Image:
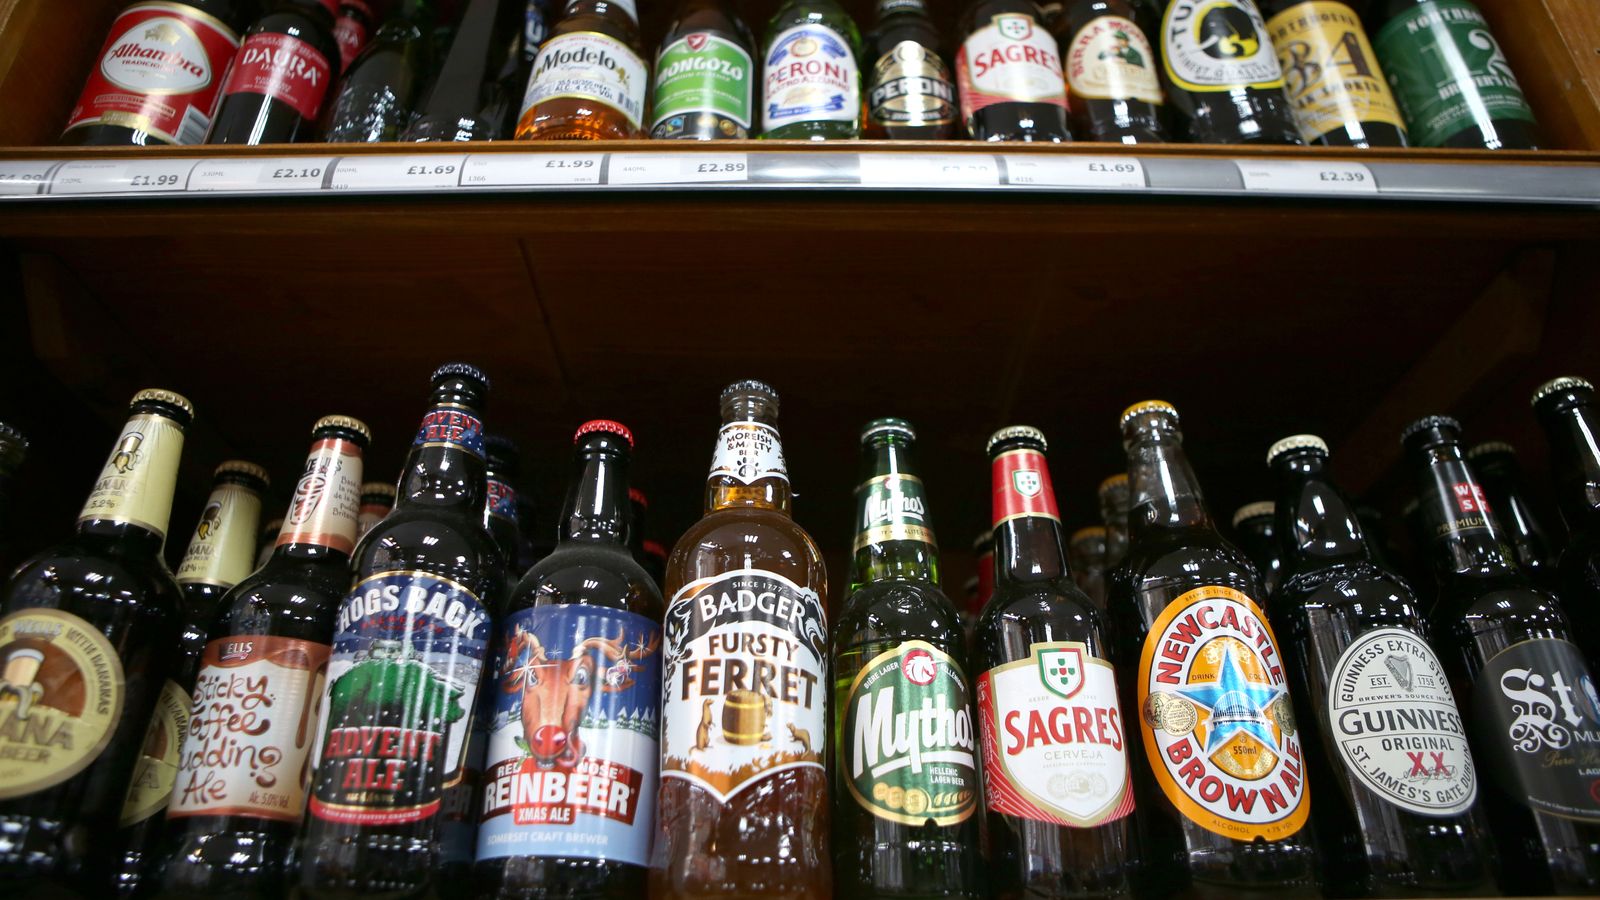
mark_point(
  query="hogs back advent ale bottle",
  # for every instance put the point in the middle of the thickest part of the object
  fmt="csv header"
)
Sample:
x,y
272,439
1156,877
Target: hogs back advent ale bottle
x,y
1495,464
909,93
1222,74
1223,777
810,72
1331,74
743,809
1566,408
1112,72
1008,71
589,81
409,648
1055,743
705,75
282,76
88,637
1396,809
569,792
905,763
1527,694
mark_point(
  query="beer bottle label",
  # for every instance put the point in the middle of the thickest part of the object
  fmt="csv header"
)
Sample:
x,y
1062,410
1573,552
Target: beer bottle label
x,y
574,742
327,498
160,73
458,832
1111,59
588,65
906,738
223,549
748,452
811,76
1448,71
1393,721
350,31
369,515
502,500
744,695
137,482
1537,724
1021,487
891,508
256,706
1054,744
61,694
283,68
704,73
408,652
1330,70
451,425
1218,45
1216,719
157,767
911,86
1010,60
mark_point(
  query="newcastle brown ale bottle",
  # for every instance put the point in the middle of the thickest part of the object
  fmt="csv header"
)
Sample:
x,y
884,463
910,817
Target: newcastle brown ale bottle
x,y
1566,408
1495,464
88,636
1055,742
1112,71
1008,72
281,77
1331,74
1222,74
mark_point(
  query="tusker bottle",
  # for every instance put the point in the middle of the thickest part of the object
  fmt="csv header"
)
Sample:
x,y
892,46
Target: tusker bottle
x,y
1567,410
1222,74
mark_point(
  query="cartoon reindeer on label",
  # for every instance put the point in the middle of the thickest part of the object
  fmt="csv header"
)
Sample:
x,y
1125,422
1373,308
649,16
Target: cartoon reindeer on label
x,y
555,692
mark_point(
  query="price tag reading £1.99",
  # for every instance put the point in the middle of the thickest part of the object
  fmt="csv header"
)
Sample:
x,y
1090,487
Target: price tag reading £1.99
x,y
531,169
1306,177
398,173
677,168
145,176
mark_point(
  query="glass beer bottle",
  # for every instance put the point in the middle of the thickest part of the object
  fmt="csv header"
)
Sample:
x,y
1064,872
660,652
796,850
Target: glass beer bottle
x,y
1222,74
1495,464
811,73
589,82
1331,75
705,75
910,96
1112,72
1567,410
1008,72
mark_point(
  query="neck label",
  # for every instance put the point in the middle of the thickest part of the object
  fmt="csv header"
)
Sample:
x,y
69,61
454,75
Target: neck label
x,y
748,452
891,508
327,498
502,500
137,482
223,549
1021,487
451,425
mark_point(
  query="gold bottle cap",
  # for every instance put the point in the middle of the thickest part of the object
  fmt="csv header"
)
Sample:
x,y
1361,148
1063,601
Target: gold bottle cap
x,y
1148,406
1565,383
171,398
1296,442
1488,448
1254,511
1091,533
382,488
1118,481
241,467
1013,432
348,423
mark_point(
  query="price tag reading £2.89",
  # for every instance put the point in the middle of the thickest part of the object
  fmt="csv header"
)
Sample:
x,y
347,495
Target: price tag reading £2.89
x,y
1306,176
677,168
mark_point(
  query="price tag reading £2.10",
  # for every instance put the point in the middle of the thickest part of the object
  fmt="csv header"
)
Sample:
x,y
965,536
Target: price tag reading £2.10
x,y
1306,177
287,173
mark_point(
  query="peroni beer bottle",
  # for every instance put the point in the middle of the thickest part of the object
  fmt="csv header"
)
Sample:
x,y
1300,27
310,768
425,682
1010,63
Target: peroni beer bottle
x,y
910,96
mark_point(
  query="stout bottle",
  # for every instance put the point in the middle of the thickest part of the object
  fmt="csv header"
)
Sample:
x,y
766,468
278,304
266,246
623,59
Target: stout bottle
x,y
577,692
1223,778
1008,71
1510,656
1113,496
743,810
377,499
88,637
409,647
1495,464
909,93
1086,551
1331,75
282,76
810,72
1396,809
904,803
589,81
1566,408
1255,534
1111,70
1222,74
242,773
1045,686
378,95
705,75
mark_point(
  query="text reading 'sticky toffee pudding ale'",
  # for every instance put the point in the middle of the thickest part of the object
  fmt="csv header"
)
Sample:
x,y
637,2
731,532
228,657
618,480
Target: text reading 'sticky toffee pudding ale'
x,y
1055,742
905,818
743,810
1223,778
1008,72
1331,75
410,644
1222,74
88,637
282,76
1567,409
240,791
705,75
1113,72
589,81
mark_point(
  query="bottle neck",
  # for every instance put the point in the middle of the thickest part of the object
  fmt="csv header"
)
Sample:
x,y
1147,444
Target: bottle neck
x,y
1028,543
223,549
894,537
1164,493
132,498
1315,525
597,509
1114,515
887,9
445,470
1574,435
747,468
1457,519
324,516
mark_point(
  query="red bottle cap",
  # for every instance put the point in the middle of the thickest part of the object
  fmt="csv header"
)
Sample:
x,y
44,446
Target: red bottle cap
x,y
604,425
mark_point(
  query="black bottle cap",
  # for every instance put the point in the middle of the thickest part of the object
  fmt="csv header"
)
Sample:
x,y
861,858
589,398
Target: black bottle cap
x,y
1491,448
1430,430
464,371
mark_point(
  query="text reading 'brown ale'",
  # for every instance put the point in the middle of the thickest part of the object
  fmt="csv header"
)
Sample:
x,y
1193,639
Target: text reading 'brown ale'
x,y
743,810
1571,418
1223,778
1055,742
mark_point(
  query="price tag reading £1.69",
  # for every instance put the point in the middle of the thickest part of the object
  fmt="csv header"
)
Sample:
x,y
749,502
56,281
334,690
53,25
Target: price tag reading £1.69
x,y
1306,177
398,173
1090,172
677,168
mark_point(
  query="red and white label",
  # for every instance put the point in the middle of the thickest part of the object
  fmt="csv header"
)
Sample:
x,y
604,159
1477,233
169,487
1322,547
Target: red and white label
x,y
351,31
284,68
327,498
1021,483
160,72
1013,59
1469,498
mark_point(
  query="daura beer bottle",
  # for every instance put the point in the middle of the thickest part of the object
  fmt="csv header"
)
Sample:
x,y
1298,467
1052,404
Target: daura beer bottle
x,y
282,76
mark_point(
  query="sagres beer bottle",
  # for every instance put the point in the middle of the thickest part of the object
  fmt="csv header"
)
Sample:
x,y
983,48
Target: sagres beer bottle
x,y
743,810
88,637
1495,464
1566,408
1112,72
1396,807
240,790
569,792
1055,743
1527,694
409,648
1223,781
1222,74
1331,75
905,764
1008,72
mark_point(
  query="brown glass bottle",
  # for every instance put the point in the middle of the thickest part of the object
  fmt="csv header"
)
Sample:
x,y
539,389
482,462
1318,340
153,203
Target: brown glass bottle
x,y
1567,409
1495,464
1087,552
910,96
1113,497
727,826
1255,534
1113,72
377,499
1008,72
596,41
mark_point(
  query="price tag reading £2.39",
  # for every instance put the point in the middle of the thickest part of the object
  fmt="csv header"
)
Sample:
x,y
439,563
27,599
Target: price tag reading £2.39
x,y
677,168
1306,176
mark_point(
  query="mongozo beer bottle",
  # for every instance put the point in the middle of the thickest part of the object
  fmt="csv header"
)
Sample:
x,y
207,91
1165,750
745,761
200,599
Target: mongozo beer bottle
x,y
904,798
1331,75
909,93
1255,534
1055,742
1527,694
502,464
377,499
1008,71
409,647
1495,464
743,809
282,75
705,75
569,791
1112,72
1086,551
1113,495
1396,810
813,82
1222,74
242,770
589,82
88,637
1451,77
1223,778
1566,408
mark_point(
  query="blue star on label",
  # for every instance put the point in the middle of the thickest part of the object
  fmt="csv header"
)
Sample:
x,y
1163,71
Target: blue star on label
x,y
1236,704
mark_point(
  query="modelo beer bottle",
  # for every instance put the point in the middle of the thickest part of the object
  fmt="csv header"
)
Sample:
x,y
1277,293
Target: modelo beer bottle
x,y
1397,807
811,74
1223,771
705,80
1566,408
1495,464
1112,72
1222,74
1331,74
1055,739
743,810
588,82
1008,71
282,76
909,93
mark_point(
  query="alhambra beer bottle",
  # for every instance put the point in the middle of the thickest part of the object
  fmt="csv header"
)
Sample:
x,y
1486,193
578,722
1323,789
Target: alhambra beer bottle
x,y
1526,692
1495,464
1055,742
1112,72
1222,74
743,810
1008,72
1223,774
88,637
1331,74
905,776
1397,789
1567,409
282,76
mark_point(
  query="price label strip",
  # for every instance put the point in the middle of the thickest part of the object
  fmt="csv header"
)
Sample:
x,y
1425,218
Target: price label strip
x,y
123,177
1306,177
531,169
1087,172
929,170
678,168
383,174
288,173
24,179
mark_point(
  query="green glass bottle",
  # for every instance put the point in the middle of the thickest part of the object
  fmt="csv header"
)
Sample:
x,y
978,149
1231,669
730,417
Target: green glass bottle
x,y
378,96
905,773
812,79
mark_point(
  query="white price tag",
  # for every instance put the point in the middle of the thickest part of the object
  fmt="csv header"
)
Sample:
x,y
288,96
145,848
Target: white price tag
x,y
145,176
516,169
1306,176
23,179
929,170
288,173
682,168
1075,171
398,173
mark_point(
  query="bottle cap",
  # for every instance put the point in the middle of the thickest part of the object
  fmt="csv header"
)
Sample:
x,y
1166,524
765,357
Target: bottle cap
x,y
1427,423
983,543
240,467
1556,386
1489,448
170,398
1117,482
603,426
1254,511
749,387
12,435
887,426
1091,533
637,496
1296,442
1148,406
346,422
1017,432
378,488
460,370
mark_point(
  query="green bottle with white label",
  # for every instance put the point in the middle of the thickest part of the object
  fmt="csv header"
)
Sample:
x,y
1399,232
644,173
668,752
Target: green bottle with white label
x,y
811,77
705,75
